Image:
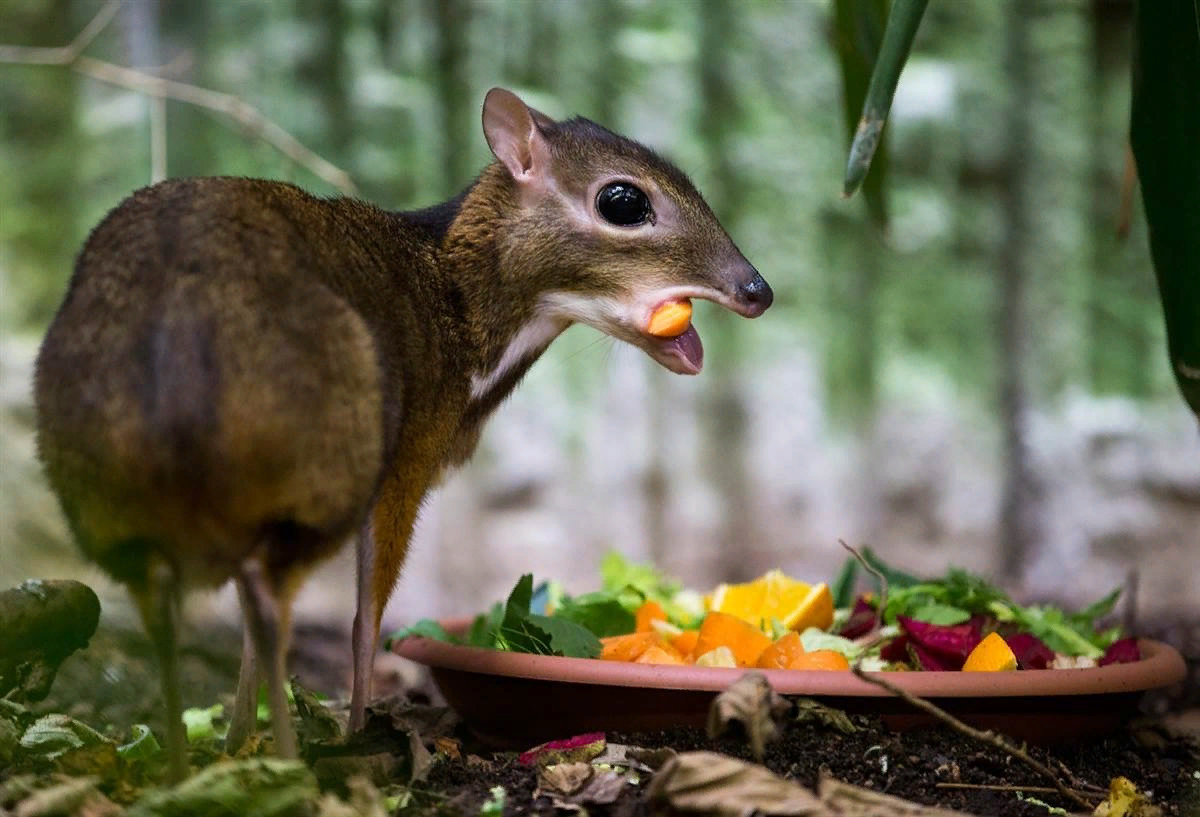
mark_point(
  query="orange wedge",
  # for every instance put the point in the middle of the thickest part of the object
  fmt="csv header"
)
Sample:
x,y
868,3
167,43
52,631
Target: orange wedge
x,y
991,654
814,610
796,604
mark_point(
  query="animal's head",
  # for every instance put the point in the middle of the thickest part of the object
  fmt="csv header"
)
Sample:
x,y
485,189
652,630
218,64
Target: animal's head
x,y
614,231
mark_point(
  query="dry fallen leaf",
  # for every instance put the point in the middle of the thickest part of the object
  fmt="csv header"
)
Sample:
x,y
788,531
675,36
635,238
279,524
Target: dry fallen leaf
x,y
574,784
750,701
721,786
564,778
72,798
810,711
1124,800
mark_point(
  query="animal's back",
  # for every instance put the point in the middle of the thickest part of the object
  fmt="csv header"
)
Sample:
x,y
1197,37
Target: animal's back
x,y
202,389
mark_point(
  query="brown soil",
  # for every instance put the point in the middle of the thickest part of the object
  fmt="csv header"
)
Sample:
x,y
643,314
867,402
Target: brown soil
x,y
113,684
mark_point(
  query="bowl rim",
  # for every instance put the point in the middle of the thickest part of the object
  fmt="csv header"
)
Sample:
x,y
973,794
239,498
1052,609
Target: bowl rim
x,y
1161,665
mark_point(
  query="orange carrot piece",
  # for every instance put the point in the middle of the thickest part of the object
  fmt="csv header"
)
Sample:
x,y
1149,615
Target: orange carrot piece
x,y
627,647
649,611
820,659
685,642
660,654
744,640
785,649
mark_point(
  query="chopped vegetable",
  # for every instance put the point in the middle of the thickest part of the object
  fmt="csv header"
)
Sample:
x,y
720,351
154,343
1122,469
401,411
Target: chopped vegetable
x,y
685,642
660,654
819,660
648,612
743,639
781,652
670,320
628,647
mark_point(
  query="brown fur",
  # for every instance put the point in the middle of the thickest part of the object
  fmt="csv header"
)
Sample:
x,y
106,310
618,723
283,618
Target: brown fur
x,y
241,370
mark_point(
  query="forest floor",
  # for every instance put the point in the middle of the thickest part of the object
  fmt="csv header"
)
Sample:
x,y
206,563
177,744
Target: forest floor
x,y
113,685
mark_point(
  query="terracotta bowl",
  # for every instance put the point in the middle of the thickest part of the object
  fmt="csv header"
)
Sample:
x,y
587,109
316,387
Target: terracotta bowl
x,y
517,700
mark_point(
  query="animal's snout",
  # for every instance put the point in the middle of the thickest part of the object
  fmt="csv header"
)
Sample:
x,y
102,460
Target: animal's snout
x,y
756,294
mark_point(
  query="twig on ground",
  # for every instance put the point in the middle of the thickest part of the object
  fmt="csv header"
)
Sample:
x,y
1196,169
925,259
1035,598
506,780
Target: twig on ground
x,y
984,736
998,787
237,109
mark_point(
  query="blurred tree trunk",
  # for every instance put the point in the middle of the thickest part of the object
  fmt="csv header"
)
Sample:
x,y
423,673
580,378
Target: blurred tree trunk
x,y
325,74
452,92
723,420
1018,511
39,128
186,30
1118,343
145,52
852,336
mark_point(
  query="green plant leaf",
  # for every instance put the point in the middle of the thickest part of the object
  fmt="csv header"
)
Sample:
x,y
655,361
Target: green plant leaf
x,y
844,585
601,613
142,746
200,723
425,628
1164,133
903,21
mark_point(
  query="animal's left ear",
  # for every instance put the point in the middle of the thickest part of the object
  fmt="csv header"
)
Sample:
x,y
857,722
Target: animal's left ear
x,y
513,132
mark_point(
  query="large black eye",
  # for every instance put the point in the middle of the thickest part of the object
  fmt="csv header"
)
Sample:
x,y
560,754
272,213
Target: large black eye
x,y
623,204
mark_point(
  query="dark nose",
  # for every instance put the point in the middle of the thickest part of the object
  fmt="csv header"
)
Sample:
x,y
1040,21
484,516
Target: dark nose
x,y
757,292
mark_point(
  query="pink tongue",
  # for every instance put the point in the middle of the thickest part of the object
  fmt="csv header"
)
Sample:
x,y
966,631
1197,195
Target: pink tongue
x,y
689,347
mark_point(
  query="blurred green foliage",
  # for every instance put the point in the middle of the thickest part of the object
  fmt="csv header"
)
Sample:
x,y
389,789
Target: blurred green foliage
x,y
752,104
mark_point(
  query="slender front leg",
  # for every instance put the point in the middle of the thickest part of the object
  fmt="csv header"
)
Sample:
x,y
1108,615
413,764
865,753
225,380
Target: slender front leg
x,y
366,628
382,546
160,614
244,719
262,609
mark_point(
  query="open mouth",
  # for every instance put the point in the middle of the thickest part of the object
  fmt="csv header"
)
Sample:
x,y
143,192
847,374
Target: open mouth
x,y
682,354
673,340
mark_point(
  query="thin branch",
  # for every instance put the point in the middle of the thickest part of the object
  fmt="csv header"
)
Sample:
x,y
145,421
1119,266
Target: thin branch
x,y
240,111
882,579
1001,787
63,55
234,107
984,736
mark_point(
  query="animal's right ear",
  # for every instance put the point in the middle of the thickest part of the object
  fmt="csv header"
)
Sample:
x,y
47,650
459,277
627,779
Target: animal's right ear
x,y
513,133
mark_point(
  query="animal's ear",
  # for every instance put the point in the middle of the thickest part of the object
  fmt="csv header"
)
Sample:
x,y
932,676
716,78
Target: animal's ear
x,y
513,132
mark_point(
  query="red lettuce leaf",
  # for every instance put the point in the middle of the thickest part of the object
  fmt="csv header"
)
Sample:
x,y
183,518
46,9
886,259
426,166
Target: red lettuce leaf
x,y
1124,651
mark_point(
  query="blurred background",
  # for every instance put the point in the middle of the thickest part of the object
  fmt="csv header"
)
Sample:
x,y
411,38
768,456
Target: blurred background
x,y
964,365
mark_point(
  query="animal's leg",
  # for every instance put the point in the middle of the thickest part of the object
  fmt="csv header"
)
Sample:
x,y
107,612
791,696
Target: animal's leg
x,y
244,719
160,613
366,628
268,620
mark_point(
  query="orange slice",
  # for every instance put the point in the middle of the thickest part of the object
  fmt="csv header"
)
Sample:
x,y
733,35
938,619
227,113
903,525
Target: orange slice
x,y
774,595
991,654
814,610
670,320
